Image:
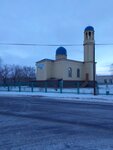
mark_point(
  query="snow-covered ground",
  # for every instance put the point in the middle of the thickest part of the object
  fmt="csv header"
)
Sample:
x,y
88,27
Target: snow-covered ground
x,y
31,123
63,96
21,125
85,94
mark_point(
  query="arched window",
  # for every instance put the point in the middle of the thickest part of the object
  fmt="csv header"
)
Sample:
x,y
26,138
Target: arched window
x,y
89,34
69,72
78,73
105,81
86,36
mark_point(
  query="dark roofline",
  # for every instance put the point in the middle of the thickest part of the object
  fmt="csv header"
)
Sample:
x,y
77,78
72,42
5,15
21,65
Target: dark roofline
x,y
63,59
104,75
70,60
45,60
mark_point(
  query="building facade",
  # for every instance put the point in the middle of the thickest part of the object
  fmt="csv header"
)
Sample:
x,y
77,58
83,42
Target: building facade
x,y
66,69
104,79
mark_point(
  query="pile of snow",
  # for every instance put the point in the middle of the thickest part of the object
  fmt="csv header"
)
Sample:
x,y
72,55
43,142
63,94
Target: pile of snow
x,y
63,96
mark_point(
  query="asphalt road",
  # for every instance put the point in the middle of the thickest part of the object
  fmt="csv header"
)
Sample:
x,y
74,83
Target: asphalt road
x,y
38,123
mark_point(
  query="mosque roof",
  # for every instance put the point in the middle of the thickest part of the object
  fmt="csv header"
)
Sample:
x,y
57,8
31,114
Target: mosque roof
x,y
43,60
61,51
89,28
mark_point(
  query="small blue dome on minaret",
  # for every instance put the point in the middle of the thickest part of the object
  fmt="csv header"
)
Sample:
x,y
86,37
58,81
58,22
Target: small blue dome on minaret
x,y
89,28
61,51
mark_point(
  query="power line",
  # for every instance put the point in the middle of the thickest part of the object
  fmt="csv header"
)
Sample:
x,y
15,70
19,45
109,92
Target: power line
x,y
49,45
34,44
104,44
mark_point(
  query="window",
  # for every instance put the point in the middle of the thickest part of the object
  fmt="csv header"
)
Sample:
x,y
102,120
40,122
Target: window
x,y
89,34
110,81
69,72
86,36
105,81
78,73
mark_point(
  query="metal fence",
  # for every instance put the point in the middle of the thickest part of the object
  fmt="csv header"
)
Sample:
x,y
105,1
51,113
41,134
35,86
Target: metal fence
x,y
101,89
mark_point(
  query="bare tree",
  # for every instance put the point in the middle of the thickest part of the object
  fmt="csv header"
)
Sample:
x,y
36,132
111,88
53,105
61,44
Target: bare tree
x,y
5,73
0,62
28,73
0,70
22,74
111,69
16,73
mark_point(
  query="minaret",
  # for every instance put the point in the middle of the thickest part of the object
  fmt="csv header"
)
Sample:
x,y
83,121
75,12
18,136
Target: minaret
x,y
89,44
89,54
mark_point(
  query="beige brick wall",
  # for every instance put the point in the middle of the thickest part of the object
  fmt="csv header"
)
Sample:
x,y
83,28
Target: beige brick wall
x,y
88,69
59,69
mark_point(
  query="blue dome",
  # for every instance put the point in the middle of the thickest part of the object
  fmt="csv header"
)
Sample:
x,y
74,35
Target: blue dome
x,y
61,51
89,28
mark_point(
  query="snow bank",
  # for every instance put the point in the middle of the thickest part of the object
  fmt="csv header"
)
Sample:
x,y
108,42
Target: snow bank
x,y
63,96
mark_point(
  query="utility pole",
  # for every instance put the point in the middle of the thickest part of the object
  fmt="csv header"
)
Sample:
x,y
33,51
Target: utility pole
x,y
94,71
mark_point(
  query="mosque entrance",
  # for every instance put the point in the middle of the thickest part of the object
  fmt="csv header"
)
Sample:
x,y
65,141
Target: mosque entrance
x,y
87,76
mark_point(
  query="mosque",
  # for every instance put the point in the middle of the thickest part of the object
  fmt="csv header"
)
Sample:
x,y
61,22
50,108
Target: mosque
x,y
69,70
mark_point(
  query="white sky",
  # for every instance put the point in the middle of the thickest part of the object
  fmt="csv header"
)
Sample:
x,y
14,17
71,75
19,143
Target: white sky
x,y
54,22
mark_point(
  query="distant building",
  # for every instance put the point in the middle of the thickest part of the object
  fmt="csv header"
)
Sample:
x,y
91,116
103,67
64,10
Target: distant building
x,y
104,79
66,69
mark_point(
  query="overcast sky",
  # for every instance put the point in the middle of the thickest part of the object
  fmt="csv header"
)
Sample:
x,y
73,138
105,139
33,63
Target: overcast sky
x,y
54,22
